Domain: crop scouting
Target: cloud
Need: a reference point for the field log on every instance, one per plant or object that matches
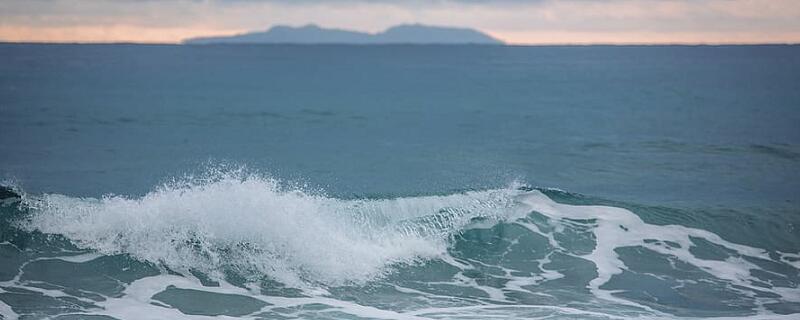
(536, 21)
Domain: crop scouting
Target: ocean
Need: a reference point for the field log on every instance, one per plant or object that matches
(399, 182)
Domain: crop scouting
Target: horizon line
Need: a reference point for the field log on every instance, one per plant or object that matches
(504, 44)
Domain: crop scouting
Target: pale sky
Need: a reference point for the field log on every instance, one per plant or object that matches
(514, 21)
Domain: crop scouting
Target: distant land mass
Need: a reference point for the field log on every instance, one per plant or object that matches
(313, 34)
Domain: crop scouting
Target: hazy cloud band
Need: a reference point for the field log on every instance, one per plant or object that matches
(544, 21)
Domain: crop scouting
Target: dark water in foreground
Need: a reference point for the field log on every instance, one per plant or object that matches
(399, 182)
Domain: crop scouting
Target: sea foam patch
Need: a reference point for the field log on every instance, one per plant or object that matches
(616, 228)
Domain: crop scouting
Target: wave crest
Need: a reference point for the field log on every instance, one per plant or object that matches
(252, 225)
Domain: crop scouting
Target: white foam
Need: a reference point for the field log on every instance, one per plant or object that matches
(137, 303)
(617, 228)
(78, 258)
(791, 258)
(6, 311)
(250, 223)
(17, 282)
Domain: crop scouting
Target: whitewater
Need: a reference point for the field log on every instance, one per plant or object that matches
(235, 245)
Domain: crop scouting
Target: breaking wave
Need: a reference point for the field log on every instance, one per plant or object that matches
(509, 252)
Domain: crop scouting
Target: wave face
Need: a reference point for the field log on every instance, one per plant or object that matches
(246, 246)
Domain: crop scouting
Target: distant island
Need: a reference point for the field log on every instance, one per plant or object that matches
(313, 34)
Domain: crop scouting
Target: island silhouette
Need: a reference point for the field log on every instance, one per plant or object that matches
(313, 34)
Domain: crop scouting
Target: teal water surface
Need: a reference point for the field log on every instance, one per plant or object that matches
(399, 182)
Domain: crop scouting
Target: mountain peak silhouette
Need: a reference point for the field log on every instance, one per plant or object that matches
(314, 34)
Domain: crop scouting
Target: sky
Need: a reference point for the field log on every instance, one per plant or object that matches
(513, 21)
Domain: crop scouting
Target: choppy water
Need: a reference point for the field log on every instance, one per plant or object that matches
(399, 182)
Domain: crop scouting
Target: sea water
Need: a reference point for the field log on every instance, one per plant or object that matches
(399, 182)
